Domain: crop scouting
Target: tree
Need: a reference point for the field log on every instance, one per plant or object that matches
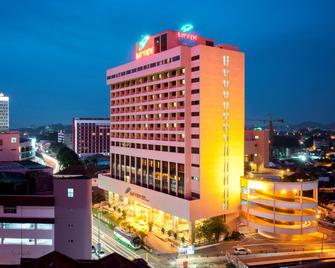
(150, 224)
(67, 157)
(98, 197)
(211, 229)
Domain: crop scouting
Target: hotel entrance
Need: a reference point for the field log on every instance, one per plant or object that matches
(146, 219)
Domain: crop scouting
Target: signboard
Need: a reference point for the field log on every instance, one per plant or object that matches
(145, 47)
(186, 250)
(185, 33)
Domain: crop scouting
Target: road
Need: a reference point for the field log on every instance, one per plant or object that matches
(259, 244)
(213, 256)
(51, 162)
(110, 245)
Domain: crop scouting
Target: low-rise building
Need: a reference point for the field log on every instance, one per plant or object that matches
(40, 213)
(280, 205)
(27, 148)
(9, 146)
(256, 149)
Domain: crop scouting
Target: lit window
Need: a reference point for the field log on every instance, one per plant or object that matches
(44, 242)
(70, 192)
(225, 60)
(225, 73)
(44, 226)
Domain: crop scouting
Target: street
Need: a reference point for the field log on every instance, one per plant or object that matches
(110, 245)
(262, 249)
(51, 162)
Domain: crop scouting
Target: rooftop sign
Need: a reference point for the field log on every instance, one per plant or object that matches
(184, 33)
(145, 47)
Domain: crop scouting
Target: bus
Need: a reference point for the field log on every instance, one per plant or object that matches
(128, 239)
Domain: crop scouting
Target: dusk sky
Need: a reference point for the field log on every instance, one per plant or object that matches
(54, 54)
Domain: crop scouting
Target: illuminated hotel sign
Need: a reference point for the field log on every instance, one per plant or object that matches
(184, 33)
(145, 47)
(139, 196)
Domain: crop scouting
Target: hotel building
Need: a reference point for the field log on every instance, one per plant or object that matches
(177, 132)
(90, 136)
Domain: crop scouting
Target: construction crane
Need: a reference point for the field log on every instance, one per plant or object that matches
(270, 124)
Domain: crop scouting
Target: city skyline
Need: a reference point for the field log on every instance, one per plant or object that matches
(61, 50)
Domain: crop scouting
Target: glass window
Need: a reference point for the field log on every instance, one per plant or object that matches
(44, 226)
(70, 192)
(44, 242)
(164, 42)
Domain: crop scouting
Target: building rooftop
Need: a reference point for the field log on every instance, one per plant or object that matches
(57, 259)
(33, 183)
(26, 165)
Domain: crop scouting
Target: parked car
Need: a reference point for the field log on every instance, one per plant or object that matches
(241, 251)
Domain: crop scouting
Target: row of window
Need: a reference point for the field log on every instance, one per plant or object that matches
(149, 136)
(162, 148)
(151, 107)
(26, 226)
(148, 117)
(148, 97)
(144, 67)
(158, 126)
(163, 176)
(26, 241)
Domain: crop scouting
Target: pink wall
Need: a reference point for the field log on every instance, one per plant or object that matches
(73, 217)
(9, 146)
(257, 143)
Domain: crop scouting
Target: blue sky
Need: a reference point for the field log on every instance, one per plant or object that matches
(54, 54)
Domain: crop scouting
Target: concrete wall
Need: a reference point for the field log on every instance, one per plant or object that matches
(73, 216)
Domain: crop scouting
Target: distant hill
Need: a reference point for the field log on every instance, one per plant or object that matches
(310, 124)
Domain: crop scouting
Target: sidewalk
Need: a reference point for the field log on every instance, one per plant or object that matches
(266, 258)
(159, 245)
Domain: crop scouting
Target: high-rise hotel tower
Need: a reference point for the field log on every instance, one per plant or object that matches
(177, 132)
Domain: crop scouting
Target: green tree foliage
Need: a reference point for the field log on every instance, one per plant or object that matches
(211, 229)
(97, 197)
(67, 157)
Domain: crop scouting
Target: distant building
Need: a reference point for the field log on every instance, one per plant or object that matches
(65, 138)
(4, 112)
(41, 213)
(285, 146)
(9, 146)
(61, 136)
(321, 143)
(90, 136)
(256, 149)
(27, 148)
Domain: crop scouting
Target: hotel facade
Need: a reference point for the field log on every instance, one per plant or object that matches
(177, 132)
(90, 136)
